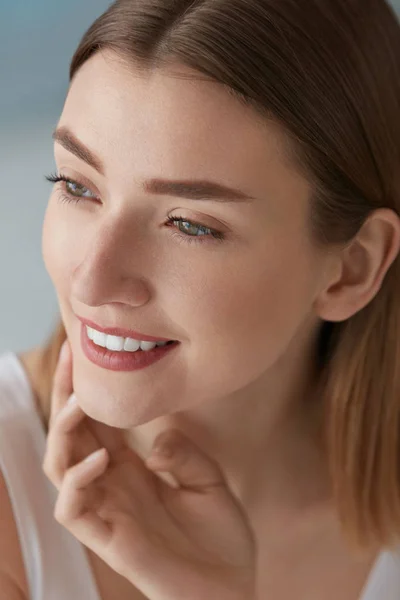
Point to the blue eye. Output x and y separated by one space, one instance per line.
73 191
197 226
76 189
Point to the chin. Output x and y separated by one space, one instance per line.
116 409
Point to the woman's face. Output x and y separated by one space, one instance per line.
239 305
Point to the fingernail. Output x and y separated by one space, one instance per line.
72 399
64 350
168 478
164 449
94 455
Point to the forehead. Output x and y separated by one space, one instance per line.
173 122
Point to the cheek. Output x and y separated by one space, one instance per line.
58 249
249 315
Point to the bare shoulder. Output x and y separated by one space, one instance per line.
13 583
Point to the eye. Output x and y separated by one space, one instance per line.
76 189
205 232
73 191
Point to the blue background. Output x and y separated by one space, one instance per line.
37 40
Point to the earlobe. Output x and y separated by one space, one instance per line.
365 262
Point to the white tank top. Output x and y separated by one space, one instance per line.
55 562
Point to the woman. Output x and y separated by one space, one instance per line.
227 185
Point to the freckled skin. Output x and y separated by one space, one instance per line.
242 308
247 310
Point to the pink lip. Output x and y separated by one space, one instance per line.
120 332
122 361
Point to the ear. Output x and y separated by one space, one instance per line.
360 267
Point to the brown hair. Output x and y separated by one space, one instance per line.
45 368
329 72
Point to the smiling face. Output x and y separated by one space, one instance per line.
242 307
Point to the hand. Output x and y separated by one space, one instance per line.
191 542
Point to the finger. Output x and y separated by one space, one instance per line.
76 507
61 441
174 452
62 381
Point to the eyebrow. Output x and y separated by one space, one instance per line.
191 189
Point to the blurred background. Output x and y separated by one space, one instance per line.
37 40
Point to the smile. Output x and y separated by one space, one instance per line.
120 344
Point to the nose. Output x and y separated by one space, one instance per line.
112 266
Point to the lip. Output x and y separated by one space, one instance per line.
122 361
121 332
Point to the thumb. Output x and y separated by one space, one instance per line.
172 451
62 382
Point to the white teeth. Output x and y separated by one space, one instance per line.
131 345
99 338
119 344
114 343
148 345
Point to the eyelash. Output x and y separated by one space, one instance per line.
66 196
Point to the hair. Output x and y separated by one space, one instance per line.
328 71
